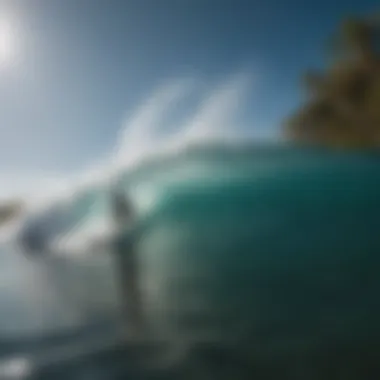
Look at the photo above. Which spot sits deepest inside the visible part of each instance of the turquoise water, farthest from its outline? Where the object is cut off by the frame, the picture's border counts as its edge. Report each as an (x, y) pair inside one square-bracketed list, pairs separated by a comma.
[(276, 250), (272, 251)]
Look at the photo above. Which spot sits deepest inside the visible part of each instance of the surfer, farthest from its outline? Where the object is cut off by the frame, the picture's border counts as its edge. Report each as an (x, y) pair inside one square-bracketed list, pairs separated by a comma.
[(126, 260)]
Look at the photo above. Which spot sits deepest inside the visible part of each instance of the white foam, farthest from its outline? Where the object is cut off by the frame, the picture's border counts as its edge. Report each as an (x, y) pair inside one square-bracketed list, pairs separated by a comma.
[(143, 137)]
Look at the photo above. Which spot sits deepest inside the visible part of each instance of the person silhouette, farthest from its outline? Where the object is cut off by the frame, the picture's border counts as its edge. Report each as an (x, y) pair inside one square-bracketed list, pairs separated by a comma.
[(126, 261)]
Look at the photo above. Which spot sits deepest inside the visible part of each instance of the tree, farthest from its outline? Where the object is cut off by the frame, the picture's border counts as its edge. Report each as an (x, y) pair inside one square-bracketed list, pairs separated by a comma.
[(343, 102)]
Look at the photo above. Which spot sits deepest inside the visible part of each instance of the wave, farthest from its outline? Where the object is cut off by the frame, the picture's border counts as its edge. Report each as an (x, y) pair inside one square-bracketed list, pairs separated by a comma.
[(240, 241), (258, 247)]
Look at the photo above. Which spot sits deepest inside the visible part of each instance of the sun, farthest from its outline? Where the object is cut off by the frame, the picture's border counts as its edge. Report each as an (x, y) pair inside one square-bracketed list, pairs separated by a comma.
[(7, 43)]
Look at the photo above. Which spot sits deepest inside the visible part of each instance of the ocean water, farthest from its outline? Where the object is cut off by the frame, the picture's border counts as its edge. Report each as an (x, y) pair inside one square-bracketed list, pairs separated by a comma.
[(278, 236), (272, 253)]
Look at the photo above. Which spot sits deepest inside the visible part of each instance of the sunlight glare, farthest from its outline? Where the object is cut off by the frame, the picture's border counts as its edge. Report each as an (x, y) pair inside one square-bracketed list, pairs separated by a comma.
[(7, 43)]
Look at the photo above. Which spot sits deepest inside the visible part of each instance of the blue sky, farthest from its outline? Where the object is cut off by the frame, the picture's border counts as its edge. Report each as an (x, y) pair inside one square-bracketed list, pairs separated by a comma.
[(80, 70)]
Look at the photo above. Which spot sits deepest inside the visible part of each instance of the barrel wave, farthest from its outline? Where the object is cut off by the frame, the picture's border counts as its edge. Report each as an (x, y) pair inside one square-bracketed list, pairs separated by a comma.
[(272, 253)]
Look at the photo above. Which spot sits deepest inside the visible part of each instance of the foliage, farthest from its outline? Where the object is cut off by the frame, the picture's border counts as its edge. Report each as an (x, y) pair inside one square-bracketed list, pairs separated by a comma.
[(342, 106)]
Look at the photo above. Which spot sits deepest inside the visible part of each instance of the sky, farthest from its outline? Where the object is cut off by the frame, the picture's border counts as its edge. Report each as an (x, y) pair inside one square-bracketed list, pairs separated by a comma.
[(80, 79)]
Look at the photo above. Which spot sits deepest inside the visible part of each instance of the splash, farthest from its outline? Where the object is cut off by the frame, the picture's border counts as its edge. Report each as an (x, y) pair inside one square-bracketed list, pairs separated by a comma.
[(144, 135)]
